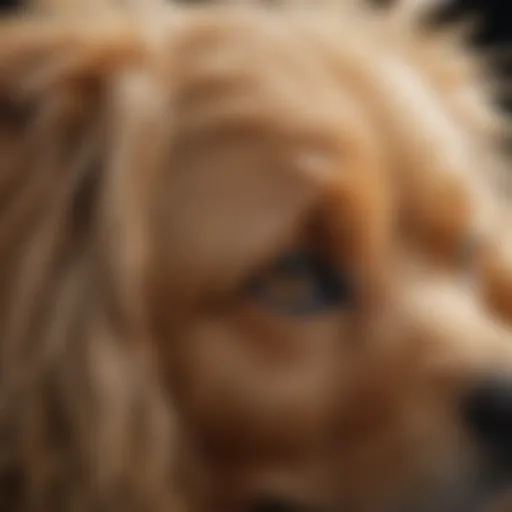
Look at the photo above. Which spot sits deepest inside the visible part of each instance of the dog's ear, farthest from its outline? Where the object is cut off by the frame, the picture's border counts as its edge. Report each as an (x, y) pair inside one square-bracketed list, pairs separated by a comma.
[(49, 103), (57, 85), (77, 112), (83, 121), (58, 82)]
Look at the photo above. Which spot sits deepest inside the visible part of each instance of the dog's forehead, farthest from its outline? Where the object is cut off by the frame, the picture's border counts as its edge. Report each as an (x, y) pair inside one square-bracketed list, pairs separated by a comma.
[(265, 123), (235, 201), (252, 68), (261, 132)]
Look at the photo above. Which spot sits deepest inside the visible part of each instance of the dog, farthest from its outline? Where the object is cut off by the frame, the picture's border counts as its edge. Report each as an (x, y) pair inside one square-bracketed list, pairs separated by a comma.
[(253, 259)]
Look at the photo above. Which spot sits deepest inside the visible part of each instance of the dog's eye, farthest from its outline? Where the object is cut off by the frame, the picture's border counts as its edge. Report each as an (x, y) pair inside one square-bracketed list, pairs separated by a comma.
[(302, 283)]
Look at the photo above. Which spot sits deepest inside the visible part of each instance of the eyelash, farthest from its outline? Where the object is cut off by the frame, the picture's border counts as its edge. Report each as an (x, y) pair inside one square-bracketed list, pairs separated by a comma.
[(302, 283)]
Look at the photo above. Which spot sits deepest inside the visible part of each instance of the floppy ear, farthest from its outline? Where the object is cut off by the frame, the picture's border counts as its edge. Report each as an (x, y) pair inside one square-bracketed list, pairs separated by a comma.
[(47, 108), (83, 119), (75, 143), (68, 183), (54, 113)]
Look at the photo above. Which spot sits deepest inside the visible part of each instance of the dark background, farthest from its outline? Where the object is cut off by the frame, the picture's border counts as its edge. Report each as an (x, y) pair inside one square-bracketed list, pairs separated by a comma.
[(497, 18), (5, 5)]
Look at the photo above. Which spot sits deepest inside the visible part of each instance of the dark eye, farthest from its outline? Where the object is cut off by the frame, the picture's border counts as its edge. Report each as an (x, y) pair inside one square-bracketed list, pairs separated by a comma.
[(302, 283)]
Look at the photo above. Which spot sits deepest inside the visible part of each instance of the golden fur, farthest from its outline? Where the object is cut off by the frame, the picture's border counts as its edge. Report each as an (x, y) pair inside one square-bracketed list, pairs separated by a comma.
[(151, 165)]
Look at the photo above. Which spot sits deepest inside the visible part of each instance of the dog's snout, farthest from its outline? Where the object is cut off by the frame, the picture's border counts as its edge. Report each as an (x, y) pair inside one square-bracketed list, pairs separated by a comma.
[(488, 412), (274, 504)]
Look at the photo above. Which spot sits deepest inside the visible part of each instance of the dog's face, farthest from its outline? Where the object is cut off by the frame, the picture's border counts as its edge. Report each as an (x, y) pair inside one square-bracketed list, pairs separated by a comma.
[(314, 292), (301, 210)]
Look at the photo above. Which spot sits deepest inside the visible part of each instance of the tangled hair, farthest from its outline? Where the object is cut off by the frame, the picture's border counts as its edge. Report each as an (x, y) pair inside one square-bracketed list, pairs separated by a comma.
[(83, 420)]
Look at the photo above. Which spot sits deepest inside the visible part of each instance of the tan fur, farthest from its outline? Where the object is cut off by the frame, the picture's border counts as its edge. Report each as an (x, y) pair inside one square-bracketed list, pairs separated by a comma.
[(150, 167)]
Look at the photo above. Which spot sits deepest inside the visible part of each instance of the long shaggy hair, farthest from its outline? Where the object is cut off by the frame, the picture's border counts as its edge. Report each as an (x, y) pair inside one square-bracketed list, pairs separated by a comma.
[(98, 408), (85, 424)]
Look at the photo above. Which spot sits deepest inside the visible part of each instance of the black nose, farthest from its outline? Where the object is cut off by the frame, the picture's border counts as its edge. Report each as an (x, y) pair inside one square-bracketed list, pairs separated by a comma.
[(488, 412), (274, 504)]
